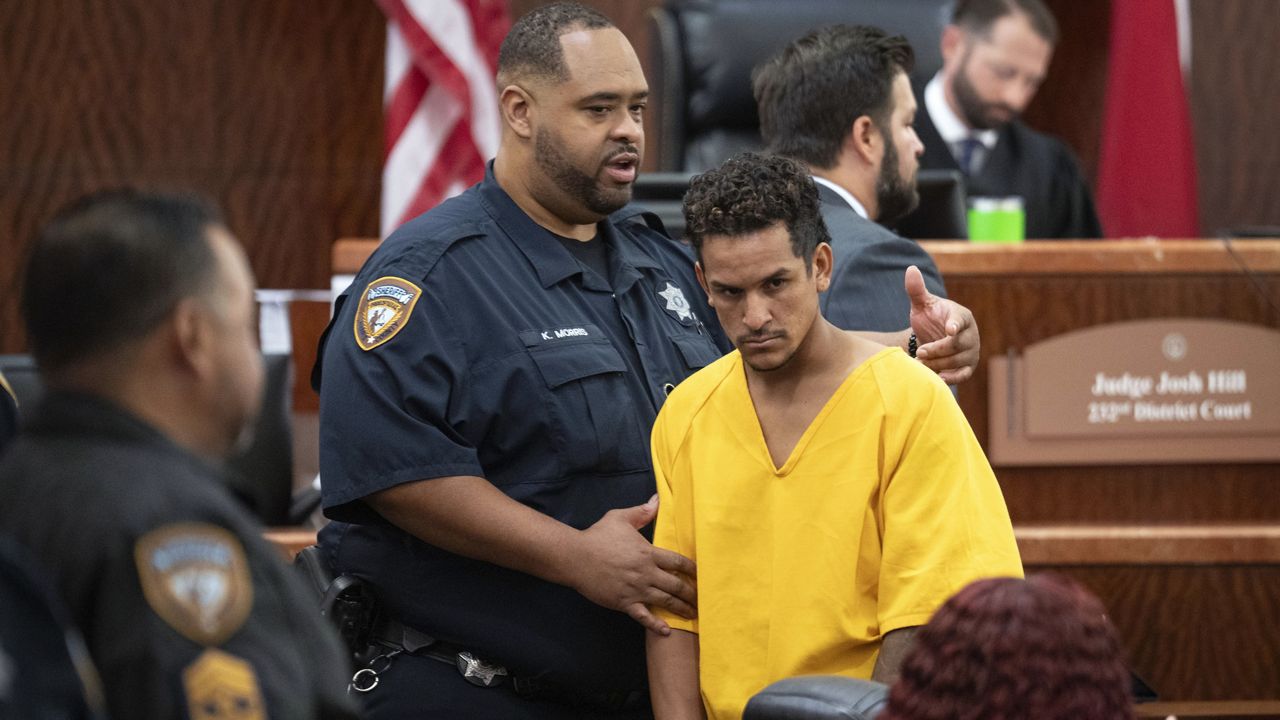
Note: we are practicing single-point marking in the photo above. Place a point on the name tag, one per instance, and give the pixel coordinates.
(561, 334)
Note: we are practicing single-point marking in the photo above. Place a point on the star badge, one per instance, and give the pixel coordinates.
(676, 302)
(479, 672)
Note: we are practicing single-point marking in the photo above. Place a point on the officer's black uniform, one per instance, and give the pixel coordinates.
(45, 672)
(473, 343)
(186, 610)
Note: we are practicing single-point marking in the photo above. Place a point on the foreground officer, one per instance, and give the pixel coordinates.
(140, 313)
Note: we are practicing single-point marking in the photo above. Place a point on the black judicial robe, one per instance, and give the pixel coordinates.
(1024, 162)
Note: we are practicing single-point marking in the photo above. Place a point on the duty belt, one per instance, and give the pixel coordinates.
(395, 637)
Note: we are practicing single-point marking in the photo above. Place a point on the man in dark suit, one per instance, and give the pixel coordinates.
(995, 54)
(839, 101)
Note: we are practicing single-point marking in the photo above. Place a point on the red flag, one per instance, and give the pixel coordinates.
(442, 121)
(1147, 175)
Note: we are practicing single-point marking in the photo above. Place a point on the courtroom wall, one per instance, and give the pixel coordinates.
(1235, 109)
(273, 108)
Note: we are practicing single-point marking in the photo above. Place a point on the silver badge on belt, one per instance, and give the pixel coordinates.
(479, 672)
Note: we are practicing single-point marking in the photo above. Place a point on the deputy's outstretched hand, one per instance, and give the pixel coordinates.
(619, 569)
(945, 330)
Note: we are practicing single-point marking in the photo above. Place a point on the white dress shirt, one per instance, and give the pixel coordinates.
(853, 201)
(953, 130)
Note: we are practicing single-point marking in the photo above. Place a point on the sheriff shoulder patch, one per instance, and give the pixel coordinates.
(195, 576)
(384, 309)
(222, 687)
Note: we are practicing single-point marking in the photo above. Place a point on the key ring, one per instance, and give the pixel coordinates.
(366, 679)
(363, 676)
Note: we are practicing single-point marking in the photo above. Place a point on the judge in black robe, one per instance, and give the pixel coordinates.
(1037, 167)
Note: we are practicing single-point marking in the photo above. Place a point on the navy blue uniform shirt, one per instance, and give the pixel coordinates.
(180, 600)
(473, 343)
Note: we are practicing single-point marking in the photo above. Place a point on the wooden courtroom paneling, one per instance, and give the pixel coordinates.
(1194, 604)
(1235, 100)
(1018, 301)
(307, 321)
(1194, 632)
(1069, 103)
(1211, 710)
(272, 108)
(1088, 544)
(1118, 257)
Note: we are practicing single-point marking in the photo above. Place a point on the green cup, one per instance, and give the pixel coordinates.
(997, 220)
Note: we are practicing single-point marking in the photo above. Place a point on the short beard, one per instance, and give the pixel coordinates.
(583, 188)
(895, 195)
(973, 109)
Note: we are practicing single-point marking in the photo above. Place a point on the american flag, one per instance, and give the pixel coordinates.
(441, 106)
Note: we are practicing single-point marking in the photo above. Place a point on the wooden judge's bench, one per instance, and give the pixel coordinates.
(1186, 556)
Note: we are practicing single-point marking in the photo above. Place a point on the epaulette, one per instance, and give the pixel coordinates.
(419, 244)
(637, 214)
(413, 250)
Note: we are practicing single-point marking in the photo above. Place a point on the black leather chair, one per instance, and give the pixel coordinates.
(663, 194)
(262, 472)
(703, 54)
(704, 51)
(818, 697)
(941, 214)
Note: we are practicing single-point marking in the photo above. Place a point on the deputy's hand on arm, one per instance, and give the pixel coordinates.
(610, 563)
(619, 569)
(946, 332)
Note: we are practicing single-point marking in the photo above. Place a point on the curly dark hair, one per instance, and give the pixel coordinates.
(810, 93)
(1011, 649)
(532, 47)
(750, 192)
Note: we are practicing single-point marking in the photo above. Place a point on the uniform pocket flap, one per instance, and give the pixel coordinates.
(698, 352)
(562, 363)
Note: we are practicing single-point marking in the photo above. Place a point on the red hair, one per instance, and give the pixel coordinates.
(1006, 649)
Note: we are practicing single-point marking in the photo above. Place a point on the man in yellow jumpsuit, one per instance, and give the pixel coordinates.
(829, 489)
